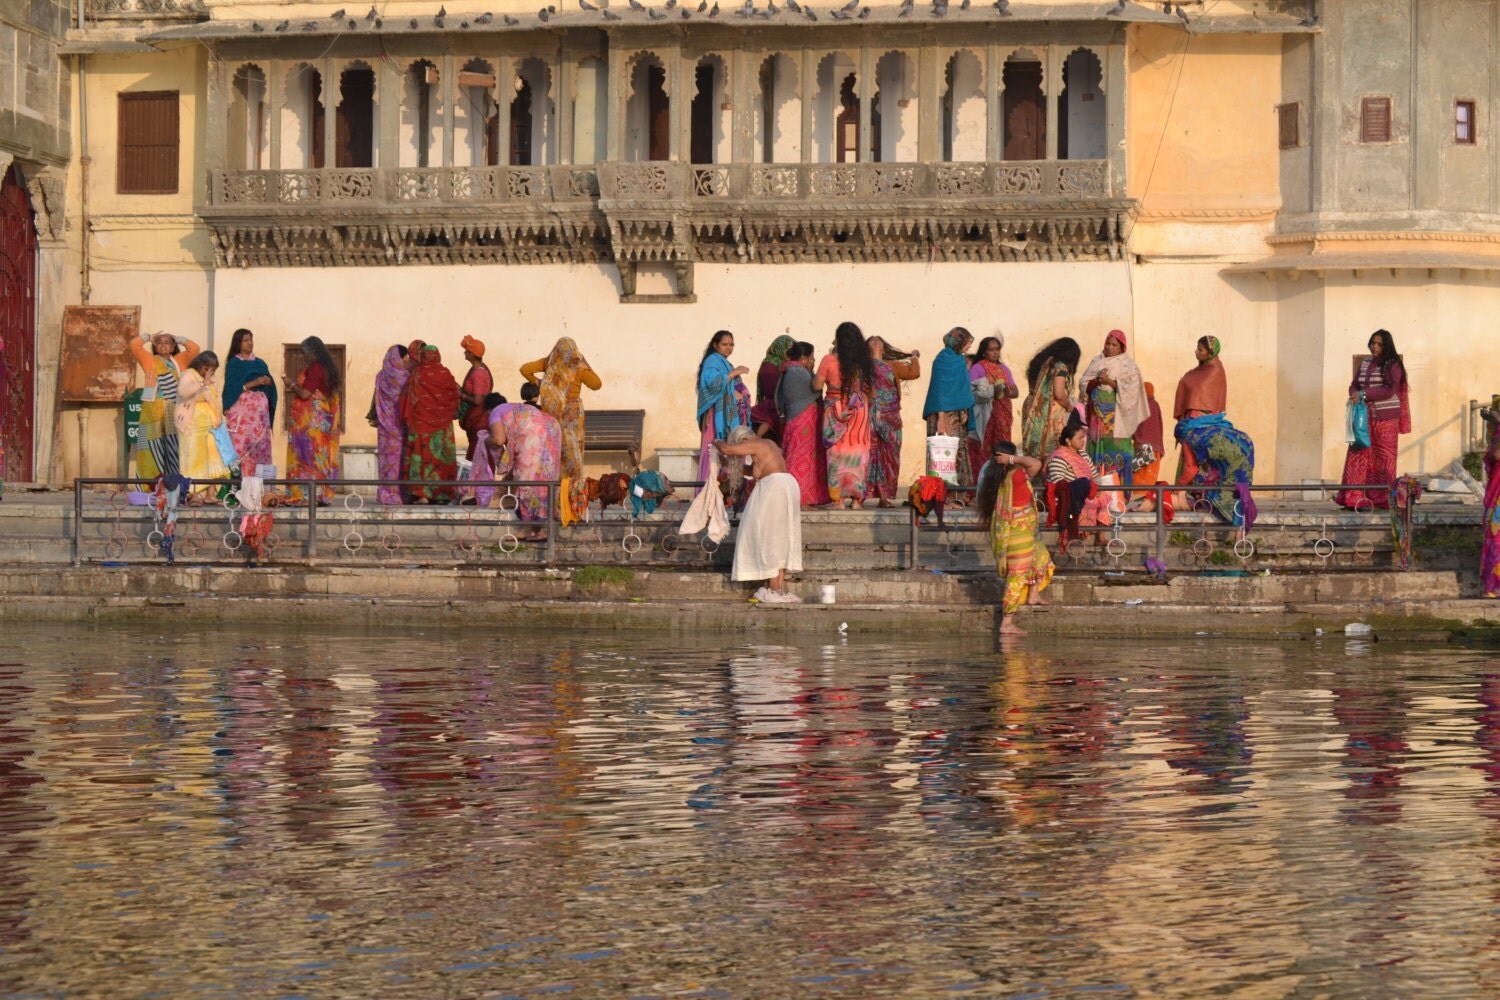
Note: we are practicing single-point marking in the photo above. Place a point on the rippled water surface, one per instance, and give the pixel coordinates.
(264, 813)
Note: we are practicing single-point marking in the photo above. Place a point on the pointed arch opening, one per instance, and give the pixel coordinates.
(893, 110)
(648, 111)
(421, 136)
(1024, 109)
(708, 127)
(964, 108)
(249, 130)
(1081, 114)
(302, 120)
(354, 124)
(778, 112)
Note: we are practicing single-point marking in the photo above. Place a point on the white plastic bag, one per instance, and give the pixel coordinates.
(942, 457)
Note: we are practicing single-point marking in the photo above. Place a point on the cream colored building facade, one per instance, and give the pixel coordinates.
(638, 179)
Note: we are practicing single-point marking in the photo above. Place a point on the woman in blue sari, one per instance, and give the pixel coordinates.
(950, 398)
(723, 400)
(249, 402)
(1226, 458)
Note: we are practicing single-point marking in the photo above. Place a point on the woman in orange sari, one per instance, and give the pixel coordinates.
(561, 375)
(429, 405)
(313, 400)
(1202, 391)
(848, 375)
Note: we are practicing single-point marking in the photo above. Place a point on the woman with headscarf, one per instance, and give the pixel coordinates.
(763, 414)
(1073, 498)
(478, 383)
(1049, 395)
(197, 413)
(848, 376)
(1381, 381)
(1115, 395)
(949, 407)
(390, 432)
(160, 356)
(892, 367)
(994, 388)
(523, 444)
(723, 400)
(801, 412)
(1202, 391)
(561, 375)
(1004, 501)
(249, 402)
(313, 400)
(429, 405)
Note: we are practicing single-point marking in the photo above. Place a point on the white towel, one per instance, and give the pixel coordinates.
(707, 508)
(770, 538)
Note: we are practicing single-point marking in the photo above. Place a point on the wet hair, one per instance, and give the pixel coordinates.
(1390, 356)
(236, 340)
(530, 391)
(493, 400)
(1064, 349)
(856, 366)
(740, 434)
(991, 478)
(713, 342)
(984, 344)
(207, 359)
(892, 352)
(319, 352)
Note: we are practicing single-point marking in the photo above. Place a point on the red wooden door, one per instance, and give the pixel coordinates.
(1025, 113)
(17, 329)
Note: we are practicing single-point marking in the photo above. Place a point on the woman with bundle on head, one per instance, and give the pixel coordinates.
(477, 384)
(892, 367)
(1381, 382)
(197, 413)
(249, 402)
(1203, 391)
(313, 401)
(847, 377)
(429, 405)
(994, 388)
(801, 412)
(949, 408)
(385, 417)
(1006, 504)
(723, 400)
(763, 416)
(561, 376)
(160, 356)
(1049, 395)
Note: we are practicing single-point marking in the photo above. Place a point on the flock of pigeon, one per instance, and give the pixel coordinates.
(852, 10)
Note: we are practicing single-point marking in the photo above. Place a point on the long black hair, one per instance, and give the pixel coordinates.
(978, 354)
(856, 366)
(238, 339)
(1064, 349)
(712, 343)
(319, 352)
(991, 478)
(1389, 356)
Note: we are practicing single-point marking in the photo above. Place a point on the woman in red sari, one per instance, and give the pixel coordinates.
(994, 388)
(892, 367)
(1381, 378)
(1202, 391)
(478, 383)
(801, 413)
(429, 405)
(313, 401)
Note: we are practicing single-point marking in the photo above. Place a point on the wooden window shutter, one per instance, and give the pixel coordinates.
(149, 131)
(1465, 124)
(1288, 121)
(1375, 119)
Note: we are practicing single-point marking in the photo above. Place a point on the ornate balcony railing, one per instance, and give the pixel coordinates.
(144, 10)
(400, 187)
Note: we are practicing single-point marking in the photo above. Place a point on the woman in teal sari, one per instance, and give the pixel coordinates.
(249, 402)
(723, 400)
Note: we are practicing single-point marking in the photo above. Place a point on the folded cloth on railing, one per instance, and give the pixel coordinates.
(647, 489)
(707, 509)
(251, 494)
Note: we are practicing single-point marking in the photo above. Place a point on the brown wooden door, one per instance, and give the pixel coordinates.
(354, 129)
(315, 114)
(520, 127)
(1025, 114)
(17, 329)
(659, 112)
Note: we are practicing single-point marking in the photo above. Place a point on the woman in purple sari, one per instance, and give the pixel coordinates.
(390, 432)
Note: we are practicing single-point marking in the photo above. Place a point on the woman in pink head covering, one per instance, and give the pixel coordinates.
(385, 415)
(1115, 398)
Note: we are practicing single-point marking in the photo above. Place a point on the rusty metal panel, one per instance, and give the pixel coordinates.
(97, 366)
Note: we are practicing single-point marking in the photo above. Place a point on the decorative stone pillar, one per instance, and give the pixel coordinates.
(745, 88)
(1113, 84)
(994, 106)
(1051, 88)
(618, 97)
(930, 65)
(806, 90)
(274, 86)
(389, 88)
(449, 84)
(562, 105)
(56, 286)
(673, 81)
(505, 93)
(330, 98)
(865, 86)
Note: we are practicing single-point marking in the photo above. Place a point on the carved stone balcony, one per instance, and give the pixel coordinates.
(664, 212)
(145, 10)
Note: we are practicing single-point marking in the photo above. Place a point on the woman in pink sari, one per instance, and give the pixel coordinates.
(801, 412)
(892, 367)
(389, 431)
(994, 388)
(249, 402)
(523, 444)
(848, 375)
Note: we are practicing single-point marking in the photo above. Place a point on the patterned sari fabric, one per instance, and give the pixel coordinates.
(312, 446)
(471, 417)
(563, 373)
(1390, 417)
(1489, 560)
(847, 432)
(997, 414)
(196, 416)
(885, 423)
(1043, 417)
(1225, 457)
(1111, 454)
(1021, 559)
(3, 375)
(532, 453)
(429, 405)
(248, 413)
(724, 401)
(806, 457)
(771, 368)
(156, 435)
(390, 433)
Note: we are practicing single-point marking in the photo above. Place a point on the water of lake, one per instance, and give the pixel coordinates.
(277, 813)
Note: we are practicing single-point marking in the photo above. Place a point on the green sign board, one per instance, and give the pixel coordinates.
(132, 417)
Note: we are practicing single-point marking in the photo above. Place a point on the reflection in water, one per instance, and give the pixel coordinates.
(522, 815)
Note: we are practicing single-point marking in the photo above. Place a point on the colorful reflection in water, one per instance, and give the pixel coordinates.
(493, 814)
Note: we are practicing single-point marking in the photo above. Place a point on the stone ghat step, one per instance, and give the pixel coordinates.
(894, 590)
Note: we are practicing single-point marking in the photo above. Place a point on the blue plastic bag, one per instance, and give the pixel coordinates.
(1357, 424)
(227, 453)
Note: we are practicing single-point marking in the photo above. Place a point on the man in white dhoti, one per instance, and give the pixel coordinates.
(770, 532)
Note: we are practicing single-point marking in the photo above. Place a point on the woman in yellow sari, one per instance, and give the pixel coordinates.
(1005, 500)
(161, 357)
(198, 412)
(562, 374)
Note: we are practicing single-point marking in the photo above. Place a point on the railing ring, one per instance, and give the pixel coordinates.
(1323, 547)
(351, 506)
(390, 542)
(114, 548)
(513, 506)
(238, 540)
(1203, 548)
(508, 543)
(1244, 548)
(625, 543)
(1364, 547)
(1113, 551)
(155, 538)
(354, 541)
(670, 543)
(708, 545)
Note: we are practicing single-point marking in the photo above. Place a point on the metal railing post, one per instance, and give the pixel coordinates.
(77, 522)
(553, 514)
(916, 530)
(1161, 526)
(312, 519)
